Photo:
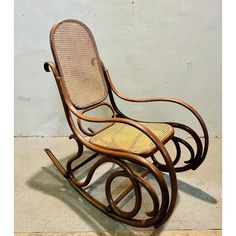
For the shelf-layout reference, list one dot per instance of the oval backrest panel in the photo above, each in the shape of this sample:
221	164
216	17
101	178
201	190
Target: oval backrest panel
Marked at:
77	59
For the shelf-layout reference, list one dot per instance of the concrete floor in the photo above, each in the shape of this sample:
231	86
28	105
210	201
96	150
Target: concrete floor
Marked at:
45	202
139	233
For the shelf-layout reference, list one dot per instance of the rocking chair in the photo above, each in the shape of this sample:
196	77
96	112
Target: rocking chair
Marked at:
85	84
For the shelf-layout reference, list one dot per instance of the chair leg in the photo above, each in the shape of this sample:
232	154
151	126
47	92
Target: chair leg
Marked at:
162	208
196	156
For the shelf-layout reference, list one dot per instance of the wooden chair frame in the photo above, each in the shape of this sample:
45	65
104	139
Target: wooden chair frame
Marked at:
163	209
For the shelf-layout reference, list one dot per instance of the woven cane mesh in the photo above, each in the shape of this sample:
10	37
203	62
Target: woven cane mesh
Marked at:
125	137
78	62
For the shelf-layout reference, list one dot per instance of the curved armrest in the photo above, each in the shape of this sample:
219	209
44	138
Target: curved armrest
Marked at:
171	100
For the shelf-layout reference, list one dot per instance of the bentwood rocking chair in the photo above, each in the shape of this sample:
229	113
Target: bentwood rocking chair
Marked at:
84	84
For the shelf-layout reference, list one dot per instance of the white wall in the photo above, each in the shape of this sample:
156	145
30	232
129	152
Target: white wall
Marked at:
152	48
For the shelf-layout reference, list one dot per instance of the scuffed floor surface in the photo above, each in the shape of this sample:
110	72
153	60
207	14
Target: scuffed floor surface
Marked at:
139	233
45	202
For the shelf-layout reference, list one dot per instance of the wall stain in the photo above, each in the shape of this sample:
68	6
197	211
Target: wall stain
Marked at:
132	7
189	66
24	99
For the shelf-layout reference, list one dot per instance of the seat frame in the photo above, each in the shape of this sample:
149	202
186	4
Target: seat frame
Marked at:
163	207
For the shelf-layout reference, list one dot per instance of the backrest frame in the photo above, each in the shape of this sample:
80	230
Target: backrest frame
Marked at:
98	60
64	92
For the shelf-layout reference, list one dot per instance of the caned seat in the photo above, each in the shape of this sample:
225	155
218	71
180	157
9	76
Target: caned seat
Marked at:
124	137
